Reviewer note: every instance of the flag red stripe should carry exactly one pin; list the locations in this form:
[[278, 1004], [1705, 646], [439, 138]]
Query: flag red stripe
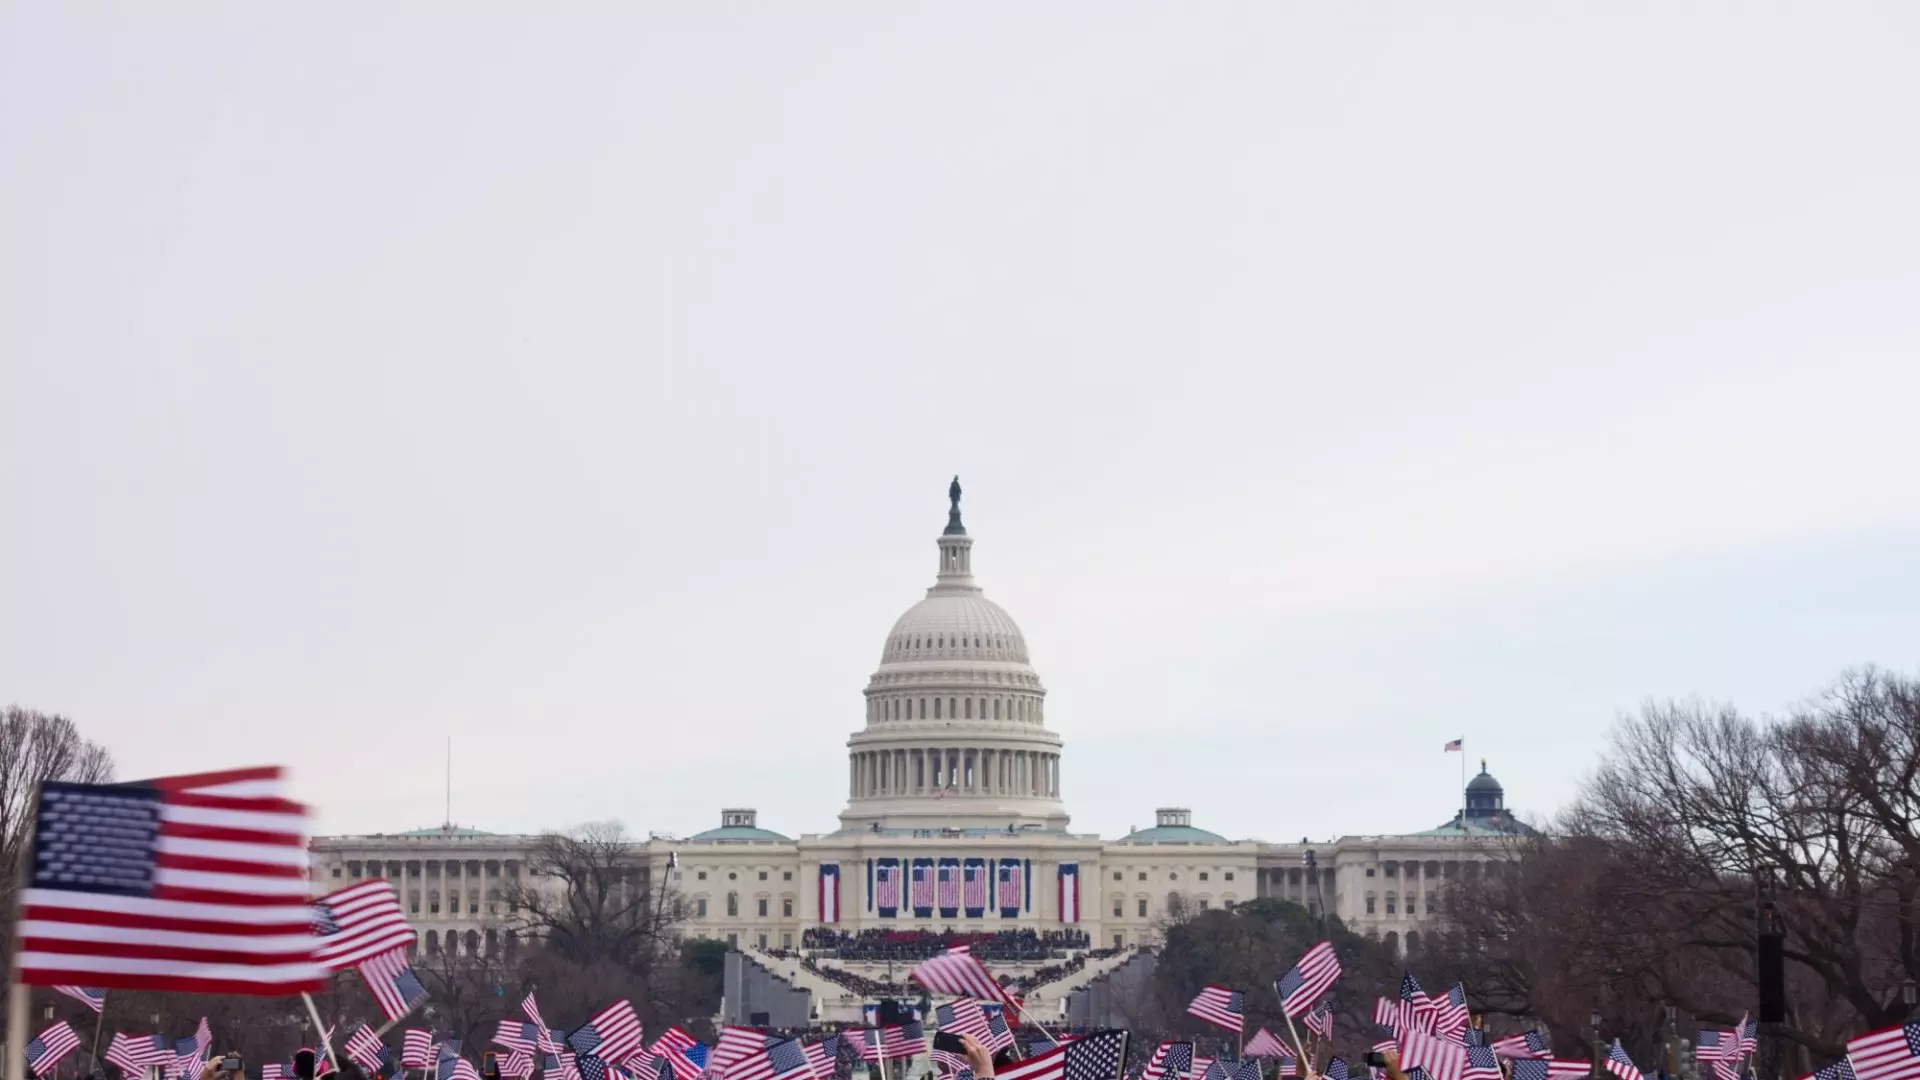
[[144, 921], [137, 951], [207, 864], [184, 984]]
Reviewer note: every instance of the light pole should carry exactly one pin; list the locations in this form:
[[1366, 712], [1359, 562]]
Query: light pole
[[1593, 1025]]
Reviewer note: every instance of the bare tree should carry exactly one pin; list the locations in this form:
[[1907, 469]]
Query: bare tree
[[1652, 889], [36, 747], [600, 922]]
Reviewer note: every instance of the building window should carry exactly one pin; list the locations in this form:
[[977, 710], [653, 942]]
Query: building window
[[1412, 900], [1118, 907], [786, 875], [1116, 875], [1229, 875], [1203, 905], [786, 941], [733, 905], [413, 902], [1390, 905], [1173, 877], [1369, 871], [733, 941], [763, 941], [763, 875], [700, 908], [763, 907], [786, 907], [336, 871], [1369, 903], [453, 903], [433, 943], [1143, 875], [701, 876], [731, 875], [1143, 907], [1203, 875]]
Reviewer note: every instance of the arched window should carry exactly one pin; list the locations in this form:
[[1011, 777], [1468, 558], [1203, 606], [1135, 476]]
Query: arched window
[[433, 943], [996, 708], [473, 943], [923, 708], [1393, 943], [733, 904], [1413, 942], [969, 708], [953, 707], [936, 708], [493, 943], [513, 944]]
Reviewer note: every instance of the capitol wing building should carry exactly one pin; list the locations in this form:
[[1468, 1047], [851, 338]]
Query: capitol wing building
[[955, 819]]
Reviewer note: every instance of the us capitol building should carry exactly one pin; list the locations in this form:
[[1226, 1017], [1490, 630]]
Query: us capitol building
[[955, 819]]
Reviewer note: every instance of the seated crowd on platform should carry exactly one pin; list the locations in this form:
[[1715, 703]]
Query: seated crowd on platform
[[1005, 946]]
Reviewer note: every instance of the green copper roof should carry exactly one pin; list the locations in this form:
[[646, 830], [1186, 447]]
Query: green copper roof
[[736, 833], [1495, 825], [1173, 834]]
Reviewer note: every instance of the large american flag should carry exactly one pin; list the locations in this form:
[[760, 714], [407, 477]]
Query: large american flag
[[949, 886], [963, 1016], [45, 1050], [393, 982], [1170, 1061], [1264, 1045], [612, 1035], [192, 884], [358, 922], [1097, 1056], [1888, 1054], [959, 973], [976, 883], [1010, 886], [1220, 1005], [923, 886], [1307, 982], [886, 887]]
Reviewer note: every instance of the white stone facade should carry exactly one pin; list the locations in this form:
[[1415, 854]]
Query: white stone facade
[[955, 768]]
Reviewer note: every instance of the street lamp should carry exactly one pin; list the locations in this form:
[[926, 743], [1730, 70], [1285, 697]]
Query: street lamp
[[1593, 1025]]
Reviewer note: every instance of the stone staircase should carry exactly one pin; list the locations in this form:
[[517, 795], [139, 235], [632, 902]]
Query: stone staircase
[[835, 1004]]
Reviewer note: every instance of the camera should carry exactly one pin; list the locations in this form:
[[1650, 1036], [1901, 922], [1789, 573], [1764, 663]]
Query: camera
[[1376, 1059], [230, 1063], [489, 1066]]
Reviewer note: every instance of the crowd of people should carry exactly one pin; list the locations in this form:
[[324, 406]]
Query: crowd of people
[[1005, 946]]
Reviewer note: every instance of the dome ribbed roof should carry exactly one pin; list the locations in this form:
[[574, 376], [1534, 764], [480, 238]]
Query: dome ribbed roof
[[1484, 782], [954, 626]]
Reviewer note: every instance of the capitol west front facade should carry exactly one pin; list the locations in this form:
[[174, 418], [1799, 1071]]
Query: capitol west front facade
[[955, 819]]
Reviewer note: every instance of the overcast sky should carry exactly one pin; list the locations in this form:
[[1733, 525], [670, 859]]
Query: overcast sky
[[1327, 381]]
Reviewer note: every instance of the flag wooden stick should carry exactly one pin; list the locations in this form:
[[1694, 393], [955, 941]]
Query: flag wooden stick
[[388, 1026], [1021, 1009], [1306, 1060], [314, 1011], [99, 1021]]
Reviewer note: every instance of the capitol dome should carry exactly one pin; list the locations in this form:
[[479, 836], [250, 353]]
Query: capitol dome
[[955, 735]]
